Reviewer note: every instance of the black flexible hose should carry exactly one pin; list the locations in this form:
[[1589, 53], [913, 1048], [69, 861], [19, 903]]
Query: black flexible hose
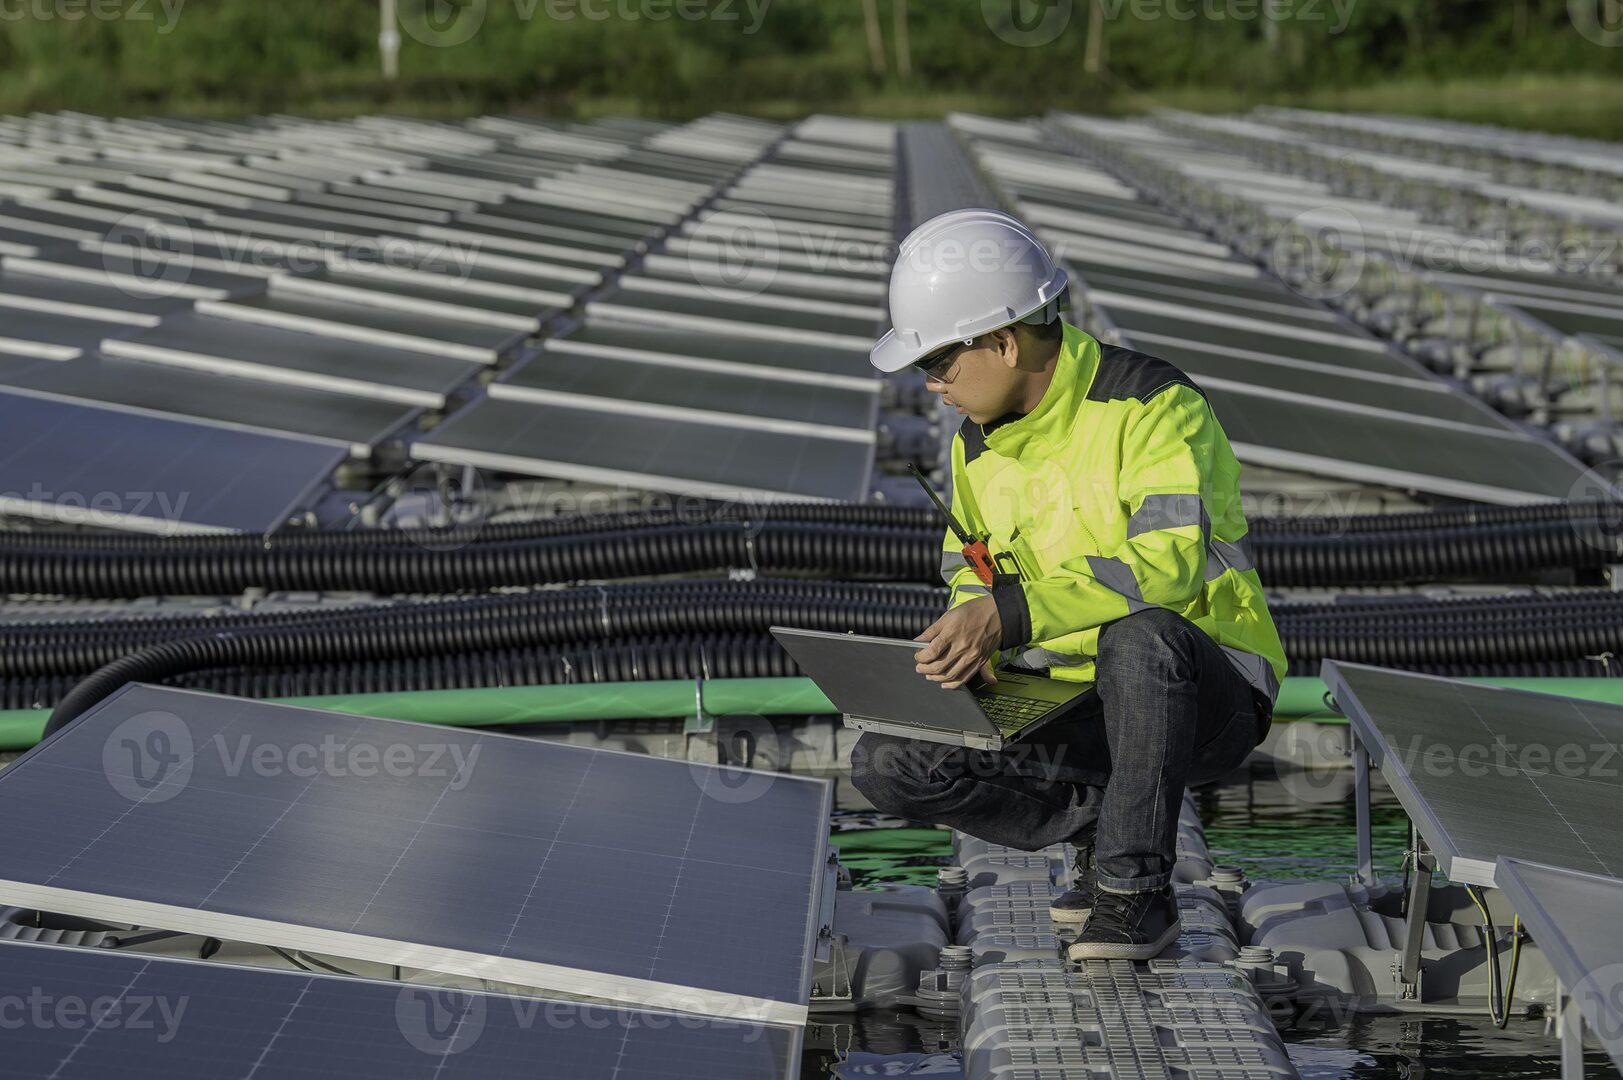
[[1475, 515], [1413, 605], [577, 619], [1510, 552], [1403, 648], [152, 627], [528, 623], [730, 656], [690, 512], [712, 657], [813, 549]]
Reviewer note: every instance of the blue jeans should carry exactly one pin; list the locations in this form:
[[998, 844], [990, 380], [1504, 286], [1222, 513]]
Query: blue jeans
[[1168, 710]]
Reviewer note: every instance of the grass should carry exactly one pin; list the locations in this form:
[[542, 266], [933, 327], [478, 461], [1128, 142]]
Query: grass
[[1586, 105]]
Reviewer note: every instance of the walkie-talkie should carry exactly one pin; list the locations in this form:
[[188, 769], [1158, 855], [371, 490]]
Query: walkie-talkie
[[975, 550]]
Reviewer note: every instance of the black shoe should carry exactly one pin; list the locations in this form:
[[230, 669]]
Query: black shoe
[[1073, 905], [1128, 926]]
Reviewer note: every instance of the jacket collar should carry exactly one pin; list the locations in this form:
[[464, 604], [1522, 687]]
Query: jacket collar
[[1073, 373]]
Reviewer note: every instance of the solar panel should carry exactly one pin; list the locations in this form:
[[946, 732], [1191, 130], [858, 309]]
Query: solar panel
[[307, 360], [106, 1014], [1486, 772], [75, 332], [801, 358], [421, 293], [1145, 280], [666, 390], [673, 303], [140, 268], [615, 876], [1353, 354], [1573, 917], [1420, 396], [357, 423], [55, 291], [1279, 314], [856, 221], [761, 271], [1290, 431], [1573, 319], [151, 474], [370, 325], [648, 452]]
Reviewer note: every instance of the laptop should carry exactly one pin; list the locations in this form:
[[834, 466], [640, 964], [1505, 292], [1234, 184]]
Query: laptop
[[872, 681]]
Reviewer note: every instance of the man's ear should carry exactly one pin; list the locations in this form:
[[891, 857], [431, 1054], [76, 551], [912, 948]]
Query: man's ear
[[1008, 346]]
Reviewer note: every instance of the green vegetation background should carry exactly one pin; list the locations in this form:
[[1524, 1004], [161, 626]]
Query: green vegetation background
[[1519, 62]]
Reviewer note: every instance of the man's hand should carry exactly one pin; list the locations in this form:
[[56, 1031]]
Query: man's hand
[[960, 643]]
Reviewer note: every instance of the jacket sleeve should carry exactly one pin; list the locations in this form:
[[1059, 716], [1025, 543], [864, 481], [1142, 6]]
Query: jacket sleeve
[[960, 577], [1168, 446]]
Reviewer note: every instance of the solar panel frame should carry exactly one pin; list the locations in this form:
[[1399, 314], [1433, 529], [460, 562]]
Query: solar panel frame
[[163, 1015], [1471, 827], [1587, 959], [264, 881]]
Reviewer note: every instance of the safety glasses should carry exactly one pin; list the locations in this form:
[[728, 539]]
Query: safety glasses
[[942, 364]]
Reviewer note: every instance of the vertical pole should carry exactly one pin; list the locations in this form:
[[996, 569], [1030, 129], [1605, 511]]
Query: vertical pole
[[876, 40], [1366, 841], [1570, 1030], [1093, 60], [1414, 930], [904, 50], [389, 39]]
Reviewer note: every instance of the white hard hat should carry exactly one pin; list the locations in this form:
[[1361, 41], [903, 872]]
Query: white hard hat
[[963, 274]]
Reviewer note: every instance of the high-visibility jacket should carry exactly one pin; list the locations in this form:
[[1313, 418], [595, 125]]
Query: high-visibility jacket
[[1117, 493]]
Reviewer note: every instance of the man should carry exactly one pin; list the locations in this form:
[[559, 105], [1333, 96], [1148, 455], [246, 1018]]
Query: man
[[1104, 473]]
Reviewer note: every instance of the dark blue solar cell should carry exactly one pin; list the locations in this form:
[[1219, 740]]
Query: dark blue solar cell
[[80, 1014]]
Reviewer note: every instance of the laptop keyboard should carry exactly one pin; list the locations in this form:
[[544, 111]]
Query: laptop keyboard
[[1010, 714]]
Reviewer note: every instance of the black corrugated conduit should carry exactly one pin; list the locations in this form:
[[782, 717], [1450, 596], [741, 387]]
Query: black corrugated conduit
[[1474, 515], [686, 513], [862, 553], [876, 543], [550, 619]]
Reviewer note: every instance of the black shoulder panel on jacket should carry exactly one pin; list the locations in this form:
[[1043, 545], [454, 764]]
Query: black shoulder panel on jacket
[[974, 439], [1127, 373]]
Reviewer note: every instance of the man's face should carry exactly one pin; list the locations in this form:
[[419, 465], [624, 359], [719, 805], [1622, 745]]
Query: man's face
[[980, 380]]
